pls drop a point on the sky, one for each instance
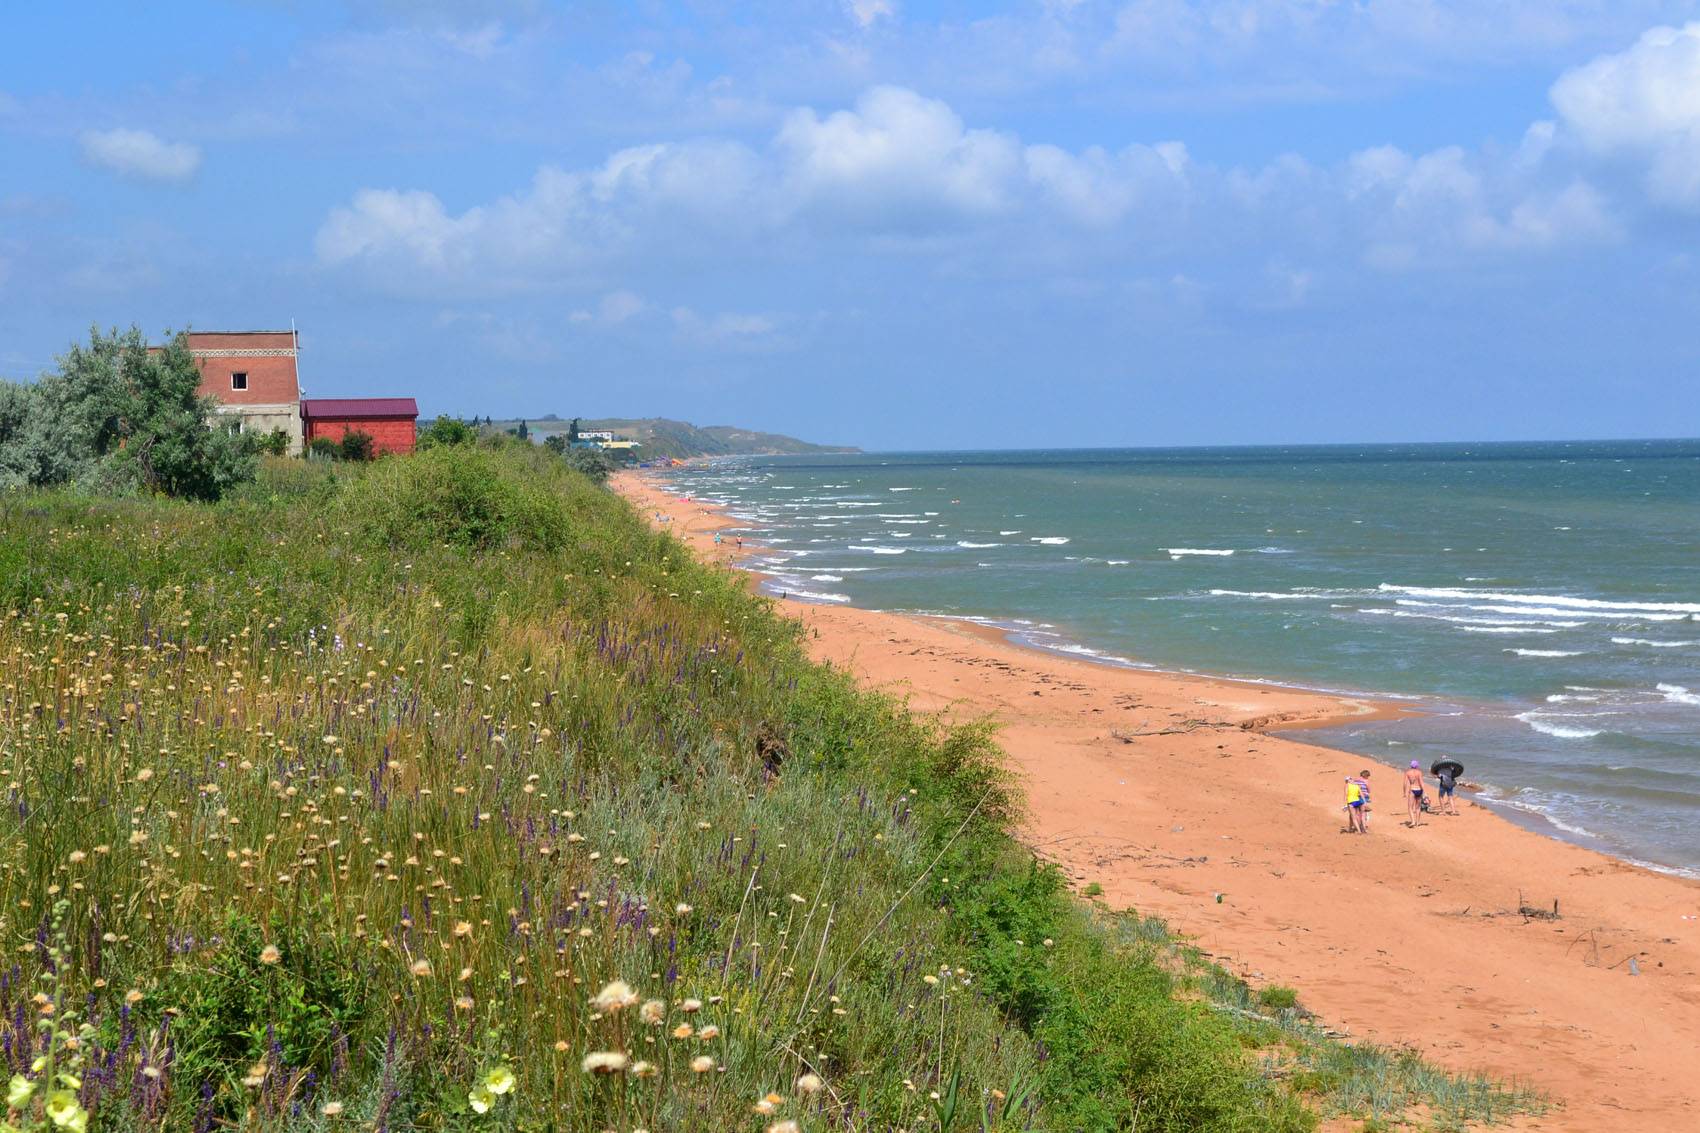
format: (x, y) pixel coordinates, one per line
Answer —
(888, 223)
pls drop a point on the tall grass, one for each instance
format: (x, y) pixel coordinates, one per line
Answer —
(445, 795)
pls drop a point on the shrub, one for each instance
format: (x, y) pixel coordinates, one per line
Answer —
(446, 431)
(275, 443)
(460, 496)
(323, 448)
(357, 446)
(592, 463)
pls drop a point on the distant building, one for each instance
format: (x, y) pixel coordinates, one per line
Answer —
(253, 375)
(391, 422)
(595, 434)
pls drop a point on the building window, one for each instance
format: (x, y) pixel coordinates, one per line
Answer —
(239, 381)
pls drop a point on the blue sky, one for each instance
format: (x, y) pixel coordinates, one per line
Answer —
(885, 222)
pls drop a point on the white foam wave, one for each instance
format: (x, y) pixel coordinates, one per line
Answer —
(1557, 731)
(1469, 594)
(1015, 532)
(1653, 644)
(1505, 629)
(879, 550)
(966, 543)
(1543, 652)
(826, 578)
(1180, 552)
(1677, 694)
(1545, 611)
(817, 596)
(1051, 540)
(903, 489)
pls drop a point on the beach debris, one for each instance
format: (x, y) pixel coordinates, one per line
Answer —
(1532, 913)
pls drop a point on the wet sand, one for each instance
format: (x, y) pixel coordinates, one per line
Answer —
(1169, 789)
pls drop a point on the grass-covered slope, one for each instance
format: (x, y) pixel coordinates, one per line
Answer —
(444, 795)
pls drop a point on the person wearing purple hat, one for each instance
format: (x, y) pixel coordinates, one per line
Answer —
(1414, 793)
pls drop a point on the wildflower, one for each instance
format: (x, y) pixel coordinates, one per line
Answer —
(709, 1032)
(464, 1003)
(653, 1012)
(783, 1127)
(810, 1084)
(480, 1099)
(561, 1046)
(683, 1031)
(270, 955)
(500, 1080)
(134, 995)
(682, 909)
(929, 978)
(76, 856)
(604, 1062)
(19, 1092)
(331, 1109)
(799, 899)
(62, 1109)
(256, 1075)
(691, 1006)
(765, 1107)
(463, 928)
(420, 968)
(616, 995)
(643, 1070)
(702, 1064)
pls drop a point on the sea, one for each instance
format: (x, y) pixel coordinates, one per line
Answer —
(1536, 604)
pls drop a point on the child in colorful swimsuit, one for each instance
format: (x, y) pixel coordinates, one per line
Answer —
(1355, 807)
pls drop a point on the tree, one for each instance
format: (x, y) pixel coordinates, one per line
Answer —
(119, 416)
(447, 431)
(572, 432)
(593, 462)
(555, 443)
(275, 443)
(523, 433)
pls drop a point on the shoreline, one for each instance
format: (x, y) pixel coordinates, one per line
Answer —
(1170, 790)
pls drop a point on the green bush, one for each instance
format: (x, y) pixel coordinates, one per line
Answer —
(356, 446)
(460, 496)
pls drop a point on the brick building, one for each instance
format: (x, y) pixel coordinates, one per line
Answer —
(391, 422)
(253, 375)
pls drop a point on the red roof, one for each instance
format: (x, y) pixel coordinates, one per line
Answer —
(359, 407)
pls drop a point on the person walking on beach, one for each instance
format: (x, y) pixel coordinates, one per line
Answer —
(1446, 773)
(1355, 807)
(1414, 793)
(1363, 786)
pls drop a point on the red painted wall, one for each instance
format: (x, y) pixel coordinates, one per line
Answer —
(389, 434)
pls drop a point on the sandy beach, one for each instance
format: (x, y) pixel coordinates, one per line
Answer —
(1168, 790)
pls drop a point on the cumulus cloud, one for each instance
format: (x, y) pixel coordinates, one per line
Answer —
(1645, 102)
(141, 154)
(896, 160)
(897, 170)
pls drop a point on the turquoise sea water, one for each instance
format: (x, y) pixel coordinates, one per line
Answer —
(1539, 602)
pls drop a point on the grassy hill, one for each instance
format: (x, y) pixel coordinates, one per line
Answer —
(662, 437)
(442, 794)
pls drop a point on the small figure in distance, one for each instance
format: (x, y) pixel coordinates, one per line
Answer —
(1414, 793)
(1355, 807)
(1363, 784)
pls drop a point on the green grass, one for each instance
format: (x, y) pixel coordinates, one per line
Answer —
(358, 787)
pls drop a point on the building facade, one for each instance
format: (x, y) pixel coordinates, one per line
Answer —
(253, 376)
(391, 422)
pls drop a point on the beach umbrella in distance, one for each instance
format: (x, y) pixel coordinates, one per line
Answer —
(1452, 765)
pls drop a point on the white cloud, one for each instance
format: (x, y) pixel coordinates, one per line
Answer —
(1644, 102)
(867, 12)
(142, 154)
(897, 160)
(725, 329)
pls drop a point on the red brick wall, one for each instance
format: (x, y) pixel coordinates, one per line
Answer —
(272, 378)
(389, 434)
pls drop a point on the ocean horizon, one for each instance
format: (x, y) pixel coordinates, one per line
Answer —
(1537, 604)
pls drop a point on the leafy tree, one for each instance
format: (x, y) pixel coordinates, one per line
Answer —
(275, 443)
(447, 431)
(593, 462)
(125, 418)
(555, 443)
(357, 446)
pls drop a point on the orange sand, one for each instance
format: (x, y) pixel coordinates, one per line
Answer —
(1406, 936)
